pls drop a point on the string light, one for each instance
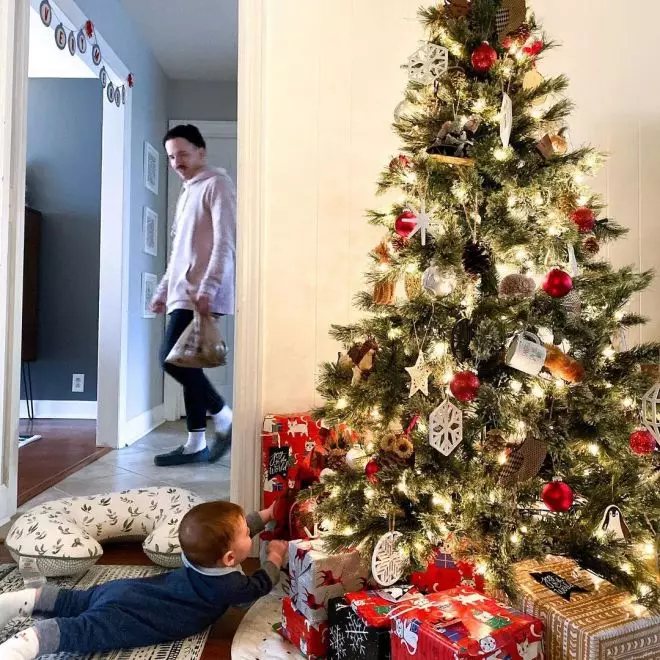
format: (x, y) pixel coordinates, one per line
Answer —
(523, 530)
(644, 590)
(608, 353)
(460, 191)
(554, 230)
(618, 315)
(411, 268)
(479, 105)
(511, 201)
(538, 199)
(421, 427)
(626, 568)
(647, 549)
(369, 493)
(521, 254)
(535, 113)
(515, 386)
(348, 531)
(628, 402)
(383, 268)
(583, 200)
(593, 449)
(481, 568)
(440, 349)
(334, 493)
(586, 472)
(515, 538)
(559, 384)
(341, 404)
(501, 154)
(447, 376)
(375, 413)
(578, 177)
(394, 333)
(502, 458)
(537, 391)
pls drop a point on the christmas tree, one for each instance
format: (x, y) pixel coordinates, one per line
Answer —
(495, 407)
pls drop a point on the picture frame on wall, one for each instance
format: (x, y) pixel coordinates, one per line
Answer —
(151, 168)
(149, 284)
(150, 231)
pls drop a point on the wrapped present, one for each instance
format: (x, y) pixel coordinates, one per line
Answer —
(443, 573)
(317, 576)
(310, 638)
(585, 617)
(374, 606)
(462, 624)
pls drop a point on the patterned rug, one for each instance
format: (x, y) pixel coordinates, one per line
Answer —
(190, 648)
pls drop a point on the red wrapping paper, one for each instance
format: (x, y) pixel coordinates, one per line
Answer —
(310, 638)
(443, 573)
(462, 624)
(374, 607)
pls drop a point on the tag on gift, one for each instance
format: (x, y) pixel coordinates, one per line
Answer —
(557, 584)
(278, 462)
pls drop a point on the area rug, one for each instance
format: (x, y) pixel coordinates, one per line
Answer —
(256, 639)
(190, 648)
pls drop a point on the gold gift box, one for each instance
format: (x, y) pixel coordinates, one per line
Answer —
(597, 622)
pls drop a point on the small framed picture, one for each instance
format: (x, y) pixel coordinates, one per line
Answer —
(151, 166)
(149, 284)
(150, 232)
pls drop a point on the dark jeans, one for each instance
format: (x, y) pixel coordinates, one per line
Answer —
(199, 395)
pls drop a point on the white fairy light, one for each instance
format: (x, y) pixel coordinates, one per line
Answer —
(559, 384)
(608, 352)
(593, 449)
(521, 254)
(341, 404)
(348, 531)
(447, 376)
(515, 538)
(369, 493)
(515, 386)
(440, 349)
(394, 333)
(523, 530)
(554, 230)
(583, 200)
(479, 105)
(578, 177)
(618, 315)
(460, 191)
(500, 154)
(502, 458)
(383, 268)
(511, 201)
(537, 391)
(626, 567)
(411, 268)
(628, 402)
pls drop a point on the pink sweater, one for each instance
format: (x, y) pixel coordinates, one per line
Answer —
(204, 247)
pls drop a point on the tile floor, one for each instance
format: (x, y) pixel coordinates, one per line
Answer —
(133, 467)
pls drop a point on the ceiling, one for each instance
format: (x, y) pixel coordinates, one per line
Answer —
(46, 60)
(193, 39)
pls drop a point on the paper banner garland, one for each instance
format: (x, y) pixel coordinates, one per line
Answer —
(76, 41)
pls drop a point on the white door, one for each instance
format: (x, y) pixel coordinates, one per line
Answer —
(220, 140)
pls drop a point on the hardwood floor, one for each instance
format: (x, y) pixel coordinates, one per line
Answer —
(218, 646)
(65, 447)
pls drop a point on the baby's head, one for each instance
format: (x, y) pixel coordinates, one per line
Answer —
(215, 534)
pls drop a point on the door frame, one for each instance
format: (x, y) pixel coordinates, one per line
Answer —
(209, 129)
(113, 275)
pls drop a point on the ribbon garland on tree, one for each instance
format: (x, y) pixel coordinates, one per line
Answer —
(77, 41)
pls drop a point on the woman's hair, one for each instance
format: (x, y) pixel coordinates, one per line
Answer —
(207, 531)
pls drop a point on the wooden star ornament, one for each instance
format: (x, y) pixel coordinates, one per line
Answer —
(419, 376)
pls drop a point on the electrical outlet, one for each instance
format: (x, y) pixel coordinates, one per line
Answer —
(78, 384)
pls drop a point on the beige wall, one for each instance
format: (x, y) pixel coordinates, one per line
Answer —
(333, 79)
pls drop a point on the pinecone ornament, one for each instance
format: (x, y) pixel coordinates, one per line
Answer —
(476, 258)
(591, 245)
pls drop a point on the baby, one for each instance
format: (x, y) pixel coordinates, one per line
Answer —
(215, 538)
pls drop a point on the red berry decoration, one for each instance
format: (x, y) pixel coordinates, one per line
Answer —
(401, 161)
(89, 29)
(483, 57)
(557, 496)
(641, 442)
(584, 218)
(557, 283)
(465, 385)
(405, 223)
(534, 48)
(371, 469)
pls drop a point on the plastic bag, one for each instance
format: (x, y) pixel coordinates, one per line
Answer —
(200, 345)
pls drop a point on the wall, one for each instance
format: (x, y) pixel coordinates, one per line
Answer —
(328, 135)
(149, 122)
(64, 183)
(201, 100)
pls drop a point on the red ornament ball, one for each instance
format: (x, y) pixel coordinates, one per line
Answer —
(483, 57)
(557, 283)
(584, 218)
(89, 29)
(642, 442)
(557, 496)
(405, 223)
(371, 469)
(465, 385)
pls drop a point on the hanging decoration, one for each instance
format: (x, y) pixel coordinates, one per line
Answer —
(483, 57)
(531, 80)
(446, 427)
(509, 17)
(76, 41)
(465, 385)
(458, 8)
(584, 218)
(526, 353)
(371, 470)
(384, 292)
(477, 258)
(651, 411)
(454, 141)
(428, 63)
(438, 282)
(557, 283)
(524, 462)
(389, 559)
(591, 245)
(405, 223)
(506, 120)
(612, 523)
(557, 496)
(517, 285)
(419, 376)
(642, 442)
(412, 283)
(562, 366)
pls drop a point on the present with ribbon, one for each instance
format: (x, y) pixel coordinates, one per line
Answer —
(311, 639)
(444, 572)
(317, 576)
(463, 624)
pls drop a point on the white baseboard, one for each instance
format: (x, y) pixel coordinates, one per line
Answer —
(61, 409)
(139, 426)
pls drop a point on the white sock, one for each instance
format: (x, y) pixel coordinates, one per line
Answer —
(222, 420)
(22, 646)
(196, 442)
(16, 603)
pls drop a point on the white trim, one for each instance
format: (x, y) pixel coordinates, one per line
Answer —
(141, 425)
(14, 45)
(248, 365)
(61, 409)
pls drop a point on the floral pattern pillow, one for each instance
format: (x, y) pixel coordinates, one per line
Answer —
(73, 529)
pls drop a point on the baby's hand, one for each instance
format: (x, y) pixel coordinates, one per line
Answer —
(277, 550)
(268, 514)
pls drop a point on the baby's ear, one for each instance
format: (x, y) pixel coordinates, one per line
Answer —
(228, 559)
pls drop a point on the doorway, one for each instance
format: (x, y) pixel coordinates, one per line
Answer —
(221, 150)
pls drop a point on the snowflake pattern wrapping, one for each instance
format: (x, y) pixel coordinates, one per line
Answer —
(446, 427)
(427, 63)
(388, 561)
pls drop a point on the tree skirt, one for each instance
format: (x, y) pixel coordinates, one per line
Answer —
(255, 638)
(190, 648)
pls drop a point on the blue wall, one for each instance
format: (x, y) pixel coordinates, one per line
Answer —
(64, 183)
(149, 122)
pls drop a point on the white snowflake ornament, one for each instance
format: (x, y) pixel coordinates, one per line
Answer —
(419, 376)
(427, 63)
(651, 411)
(389, 559)
(446, 427)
